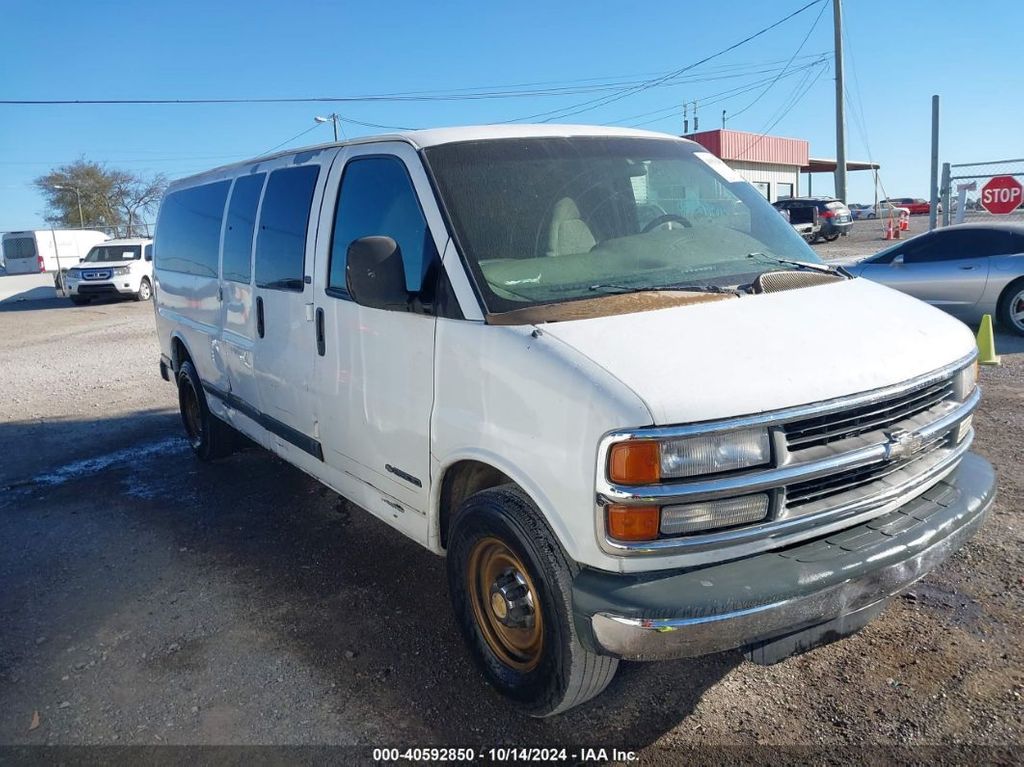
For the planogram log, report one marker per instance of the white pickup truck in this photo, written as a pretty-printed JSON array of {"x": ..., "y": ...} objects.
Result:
[{"x": 632, "y": 437}]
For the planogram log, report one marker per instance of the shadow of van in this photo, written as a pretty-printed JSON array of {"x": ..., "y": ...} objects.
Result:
[{"x": 326, "y": 584}]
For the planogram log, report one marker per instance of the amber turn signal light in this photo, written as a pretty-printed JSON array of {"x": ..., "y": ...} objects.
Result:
[
  {"x": 637, "y": 462},
  {"x": 633, "y": 523}
]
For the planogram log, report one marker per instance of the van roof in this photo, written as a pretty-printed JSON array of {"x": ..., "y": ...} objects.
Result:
[{"x": 421, "y": 139}]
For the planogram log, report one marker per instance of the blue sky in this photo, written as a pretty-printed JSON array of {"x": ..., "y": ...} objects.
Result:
[{"x": 898, "y": 55}]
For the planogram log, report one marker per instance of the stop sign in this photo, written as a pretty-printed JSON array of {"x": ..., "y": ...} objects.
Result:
[{"x": 1002, "y": 195}]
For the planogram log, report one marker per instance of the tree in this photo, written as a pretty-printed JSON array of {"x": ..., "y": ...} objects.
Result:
[{"x": 89, "y": 194}]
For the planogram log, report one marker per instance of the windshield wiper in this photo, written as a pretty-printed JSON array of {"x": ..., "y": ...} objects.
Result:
[
  {"x": 826, "y": 268},
  {"x": 655, "y": 288}
]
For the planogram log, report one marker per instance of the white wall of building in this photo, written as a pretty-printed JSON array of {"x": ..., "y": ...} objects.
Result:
[{"x": 772, "y": 175}]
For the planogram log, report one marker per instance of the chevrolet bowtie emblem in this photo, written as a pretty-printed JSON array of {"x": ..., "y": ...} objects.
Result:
[{"x": 902, "y": 444}]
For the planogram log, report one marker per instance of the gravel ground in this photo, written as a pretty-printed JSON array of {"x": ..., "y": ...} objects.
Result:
[{"x": 149, "y": 599}]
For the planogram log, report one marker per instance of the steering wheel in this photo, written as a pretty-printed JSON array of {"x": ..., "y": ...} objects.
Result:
[{"x": 654, "y": 223}]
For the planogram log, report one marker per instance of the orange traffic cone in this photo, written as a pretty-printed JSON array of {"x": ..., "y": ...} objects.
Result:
[
  {"x": 904, "y": 223},
  {"x": 888, "y": 230}
]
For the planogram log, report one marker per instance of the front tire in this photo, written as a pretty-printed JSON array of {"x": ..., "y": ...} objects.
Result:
[
  {"x": 1010, "y": 311},
  {"x": 209, "y": 436},
  {"x": 510, "y": 583},
  {"x": 145, "y": 290}
]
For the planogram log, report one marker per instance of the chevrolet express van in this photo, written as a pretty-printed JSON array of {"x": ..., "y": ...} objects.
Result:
[{"x": 593, "y": 368}]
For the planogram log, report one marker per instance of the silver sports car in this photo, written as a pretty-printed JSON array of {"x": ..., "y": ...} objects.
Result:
[{"x": 968, "y": 270}]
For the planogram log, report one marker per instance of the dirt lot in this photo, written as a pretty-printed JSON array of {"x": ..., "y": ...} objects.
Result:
[{"x": 149, "y": 599}]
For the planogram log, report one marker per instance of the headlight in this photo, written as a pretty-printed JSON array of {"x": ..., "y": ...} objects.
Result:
[
  {"x": 74, "y": 274},
  {"x": 121, "y": 271},
  {"x": 640, "y": 462},
  {"x": 709, "y": 515},
  {"x": 966, "y": 381}
]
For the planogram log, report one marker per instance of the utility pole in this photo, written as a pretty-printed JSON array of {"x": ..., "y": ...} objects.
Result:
[
  {"x": 78, "y": 194},
  {"x": 332, "y": 117},
  {"x": 723, "y": 119},
  {"x": 837, "y": 15},
  {"x": 933, "y": 190}
]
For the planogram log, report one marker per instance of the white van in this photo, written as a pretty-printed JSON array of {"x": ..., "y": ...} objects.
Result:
[
  {"x": 47, "y": 250},
  {"x": 113, "y": 268},
  {"x": 596, "y": 370}
]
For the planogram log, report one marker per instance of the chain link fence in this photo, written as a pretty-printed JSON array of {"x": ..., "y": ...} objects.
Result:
[{"x": 961, "y": 189}]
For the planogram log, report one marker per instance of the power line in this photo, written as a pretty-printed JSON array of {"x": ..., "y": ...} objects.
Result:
[
  {"x": 797, "y": 97},
  {"x": 592, "y": 104},
  {"x": 715, "y": 98},
  {"x": 788, "y": 64},
  {"x": 312, "y": 127}
]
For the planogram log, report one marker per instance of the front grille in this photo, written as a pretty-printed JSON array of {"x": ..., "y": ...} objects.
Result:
[
  {"x": 802, "y": 493},
  {"x": 100, "y": 275},
  {"x": 97, "y": 289},
  {"x": 823, "y": 429}
]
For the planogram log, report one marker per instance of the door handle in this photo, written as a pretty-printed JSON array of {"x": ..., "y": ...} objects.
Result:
[
  {"x": 967, "y": 268},
  {"x": 260, "y": 328},
  {"x": 321, "y": 342}
]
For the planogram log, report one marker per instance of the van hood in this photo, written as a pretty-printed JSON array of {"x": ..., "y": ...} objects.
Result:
[{"x": 768, "y": 351}]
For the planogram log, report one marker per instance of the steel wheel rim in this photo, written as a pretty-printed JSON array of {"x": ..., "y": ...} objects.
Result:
[
  {"x": 144, "y": 290},
  {"x": 1017, "y": 310},
  {"x": 517, "y": 648},
  {"x": 191, "y": 415}
]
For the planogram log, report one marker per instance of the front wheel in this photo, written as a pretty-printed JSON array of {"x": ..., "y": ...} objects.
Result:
[
  {"x": 831, "y": 237},
  {"x": 145, "y": 290},
  {"x": 511, "y": 588},
  {"x": 1011, "y": 307}
]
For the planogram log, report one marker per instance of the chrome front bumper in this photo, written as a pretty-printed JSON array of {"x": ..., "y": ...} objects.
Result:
[{"x": 763, "y": 598}]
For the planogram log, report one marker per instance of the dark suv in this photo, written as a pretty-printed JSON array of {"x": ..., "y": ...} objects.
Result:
[{"x": 833, "y": 215}]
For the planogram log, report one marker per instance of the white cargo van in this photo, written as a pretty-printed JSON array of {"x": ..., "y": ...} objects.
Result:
[
  {"x": 47, "y": 250},
  {"x": 592, "y": 367},
  {"x": 121, "y": 268}
]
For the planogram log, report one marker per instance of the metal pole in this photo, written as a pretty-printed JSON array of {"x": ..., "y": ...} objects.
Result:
[
  {"x": 81, "y": 217},
  {"x": 56, "y": 254},
  {"x": 944, "y": 195},
  {"x": 334, "y": 119},
  {"x": 934, "y": 188},
  {"x": 837, "y": 16}
]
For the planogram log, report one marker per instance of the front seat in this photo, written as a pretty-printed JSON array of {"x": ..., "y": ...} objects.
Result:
[{"x": 569, "y": 233}]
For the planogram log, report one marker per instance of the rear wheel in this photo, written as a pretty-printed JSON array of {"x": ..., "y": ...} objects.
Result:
[
  {"x": 511, "y": 588},
  {"x": 1011, "y": 307},
  {"x": 209, "y": 436},
  {"x": 145, "y": 290}
]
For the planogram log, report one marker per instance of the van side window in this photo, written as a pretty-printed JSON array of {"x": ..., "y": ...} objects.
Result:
[
  {"x": 281, "y": 244},
  {"x": 188, "y": 232},
  {"x": 377, "y": 198},
  {"x": 241, "y": 223}
]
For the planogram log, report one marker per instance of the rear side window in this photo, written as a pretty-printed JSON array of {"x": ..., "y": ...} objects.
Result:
[
  {"x": 188, "y": 231},
  {"x": 377, "y": 198},
  {"x": 281, "y": 245},
  {"x": 240, "y": 228}
]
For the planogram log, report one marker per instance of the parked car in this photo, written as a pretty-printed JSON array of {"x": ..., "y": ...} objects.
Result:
[
  {"x": 47, "y": 250},
  {"x": 915, "y": 205},
  {"x": 833, "y": 215},
  {"x": 882, "y": 210},
  {"x": 969, "y": 270},
  {"x": 804, "y": 220},
  {"x": 628, "y": 440},
  {"x": 114, "y": 268},
  {"x": 861, "y": 211}
]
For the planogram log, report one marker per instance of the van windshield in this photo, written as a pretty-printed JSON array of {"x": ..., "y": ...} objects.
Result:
[
  {"x": 108, "y": 253},
  {"x": 547, "y": 220}
]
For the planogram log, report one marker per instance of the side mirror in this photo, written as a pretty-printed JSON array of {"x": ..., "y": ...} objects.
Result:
[
  {"x": 897, "y": 260},
  {"x": 375, "y": 274}
]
